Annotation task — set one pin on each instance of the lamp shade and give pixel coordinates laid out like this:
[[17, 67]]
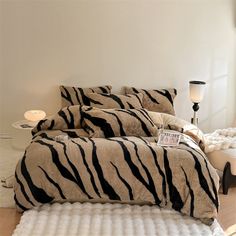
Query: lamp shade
[[196, 90], [34, 115]]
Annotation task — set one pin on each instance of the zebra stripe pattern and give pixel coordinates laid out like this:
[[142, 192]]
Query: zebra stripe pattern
[[78, 96], [66, 118], [120, 169], [108, 101], [161, 100], [118, 122]]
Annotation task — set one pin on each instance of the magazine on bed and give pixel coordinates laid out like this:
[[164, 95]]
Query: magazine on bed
[[169, 138]]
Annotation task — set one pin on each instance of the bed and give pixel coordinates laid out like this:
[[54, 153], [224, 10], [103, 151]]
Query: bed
[[110, 155]]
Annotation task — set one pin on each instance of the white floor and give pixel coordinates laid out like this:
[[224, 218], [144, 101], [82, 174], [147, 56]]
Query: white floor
[[9, 157]]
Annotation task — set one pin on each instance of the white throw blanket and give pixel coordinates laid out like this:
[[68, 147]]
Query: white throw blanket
[[220, 139]]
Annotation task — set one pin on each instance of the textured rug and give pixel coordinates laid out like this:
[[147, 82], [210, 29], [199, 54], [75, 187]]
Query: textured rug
[[110, 219]]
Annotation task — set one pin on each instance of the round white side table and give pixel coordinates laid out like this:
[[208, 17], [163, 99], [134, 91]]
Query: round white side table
[[22, 134]]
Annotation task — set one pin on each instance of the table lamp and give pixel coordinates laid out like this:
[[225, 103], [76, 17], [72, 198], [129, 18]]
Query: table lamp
[[34, 115], [196, 93]]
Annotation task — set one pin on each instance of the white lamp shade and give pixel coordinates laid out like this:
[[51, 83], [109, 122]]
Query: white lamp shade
[[34, 115], [196, 90]]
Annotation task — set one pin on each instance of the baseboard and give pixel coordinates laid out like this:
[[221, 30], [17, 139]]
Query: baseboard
[[5, 136]]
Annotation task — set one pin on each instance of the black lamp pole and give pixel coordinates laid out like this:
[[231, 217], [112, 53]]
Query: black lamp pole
[[194, 120]]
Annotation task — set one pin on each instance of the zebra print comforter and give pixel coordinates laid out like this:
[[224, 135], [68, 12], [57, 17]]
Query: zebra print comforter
[[65, 165]]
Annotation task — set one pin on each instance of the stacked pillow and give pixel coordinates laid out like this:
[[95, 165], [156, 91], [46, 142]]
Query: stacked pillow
[[158, 100], [111, 115], [78, 96], [161, 100]]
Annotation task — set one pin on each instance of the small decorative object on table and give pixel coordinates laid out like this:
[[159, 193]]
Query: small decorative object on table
[[24, 124]]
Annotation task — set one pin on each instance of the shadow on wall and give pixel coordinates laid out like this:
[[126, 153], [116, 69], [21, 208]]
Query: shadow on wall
[[234, 12], [213, 114], [214, 108]]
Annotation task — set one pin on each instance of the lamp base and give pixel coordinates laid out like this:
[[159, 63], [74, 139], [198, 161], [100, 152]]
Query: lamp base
[[194, 121]]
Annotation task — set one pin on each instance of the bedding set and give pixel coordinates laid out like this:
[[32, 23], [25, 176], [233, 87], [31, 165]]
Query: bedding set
[[102, 147]]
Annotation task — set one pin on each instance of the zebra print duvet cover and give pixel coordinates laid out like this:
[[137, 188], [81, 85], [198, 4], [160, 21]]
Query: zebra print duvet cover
[[107, 123], [65, 165]]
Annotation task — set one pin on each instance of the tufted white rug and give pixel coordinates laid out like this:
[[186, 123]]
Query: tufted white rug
[[110, 219]]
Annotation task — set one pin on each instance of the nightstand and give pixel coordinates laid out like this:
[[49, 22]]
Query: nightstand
[[22, 133]]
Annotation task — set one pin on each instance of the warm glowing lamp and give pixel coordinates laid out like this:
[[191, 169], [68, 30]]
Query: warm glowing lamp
[[34, 115], [196, 94]]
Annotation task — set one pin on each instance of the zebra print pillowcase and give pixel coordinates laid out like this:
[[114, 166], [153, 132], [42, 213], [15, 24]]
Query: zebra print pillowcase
[[161, 100], [108, 101], [78, 96], [105, 123]]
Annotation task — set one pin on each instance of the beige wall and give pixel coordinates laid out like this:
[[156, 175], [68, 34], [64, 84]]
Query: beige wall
[[142, 43]]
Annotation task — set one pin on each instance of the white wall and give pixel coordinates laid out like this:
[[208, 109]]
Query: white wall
[[143, 43]]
